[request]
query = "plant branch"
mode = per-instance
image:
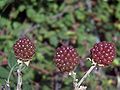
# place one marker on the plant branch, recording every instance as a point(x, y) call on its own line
point(8, 79)
point(30, 29)
point(75, 82)
point(73, 74)
point(39, 69)
point(66, 9)
point(85, 76)
point(19, 83)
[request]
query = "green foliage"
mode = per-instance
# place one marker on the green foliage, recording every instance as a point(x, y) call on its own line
point(4, 72)
point(11, 59)
point(73, 21)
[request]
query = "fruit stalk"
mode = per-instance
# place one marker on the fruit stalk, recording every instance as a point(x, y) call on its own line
point(85, 76)
point(8, 79)
point(75, 80)
point(73, 75)
point(19, 82)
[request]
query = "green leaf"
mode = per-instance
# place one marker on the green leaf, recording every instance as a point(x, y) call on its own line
point(16, 25)
point(2, 3)
point(116, 61)
point(53, 40)
point(2, 81)
point(118, 11)
point(68, 81)
point(62, 34)
point(80, 15)
point(21, 8)
point(28, 74)
point(11, 59)
point(45, 87)
point(69, 19)
point(40, 57)
point(49, 34)
point(14, 14)
point(27, 86)
point(34, 16)
point(3, 73)
point(31, 12)
point(5, 22)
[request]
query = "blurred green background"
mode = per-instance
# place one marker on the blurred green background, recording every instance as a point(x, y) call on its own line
point(81, 23)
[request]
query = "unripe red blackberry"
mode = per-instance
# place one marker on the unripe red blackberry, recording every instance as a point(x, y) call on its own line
point(103, 53)
point(24, 49)
point(66, 58)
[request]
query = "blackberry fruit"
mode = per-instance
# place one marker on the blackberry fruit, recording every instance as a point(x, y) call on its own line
point(24, 49)
point(66, 58)
point(103, 53)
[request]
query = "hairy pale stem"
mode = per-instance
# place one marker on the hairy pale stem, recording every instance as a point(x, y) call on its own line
point(8, 79)
point(73, 74)
point(19, 82)
point(77, 85)
point(75, 82)
point(85, 76)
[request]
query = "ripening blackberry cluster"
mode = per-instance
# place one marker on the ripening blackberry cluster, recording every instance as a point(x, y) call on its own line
point(66, 58)
point(103, 53)
point(24, 49)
